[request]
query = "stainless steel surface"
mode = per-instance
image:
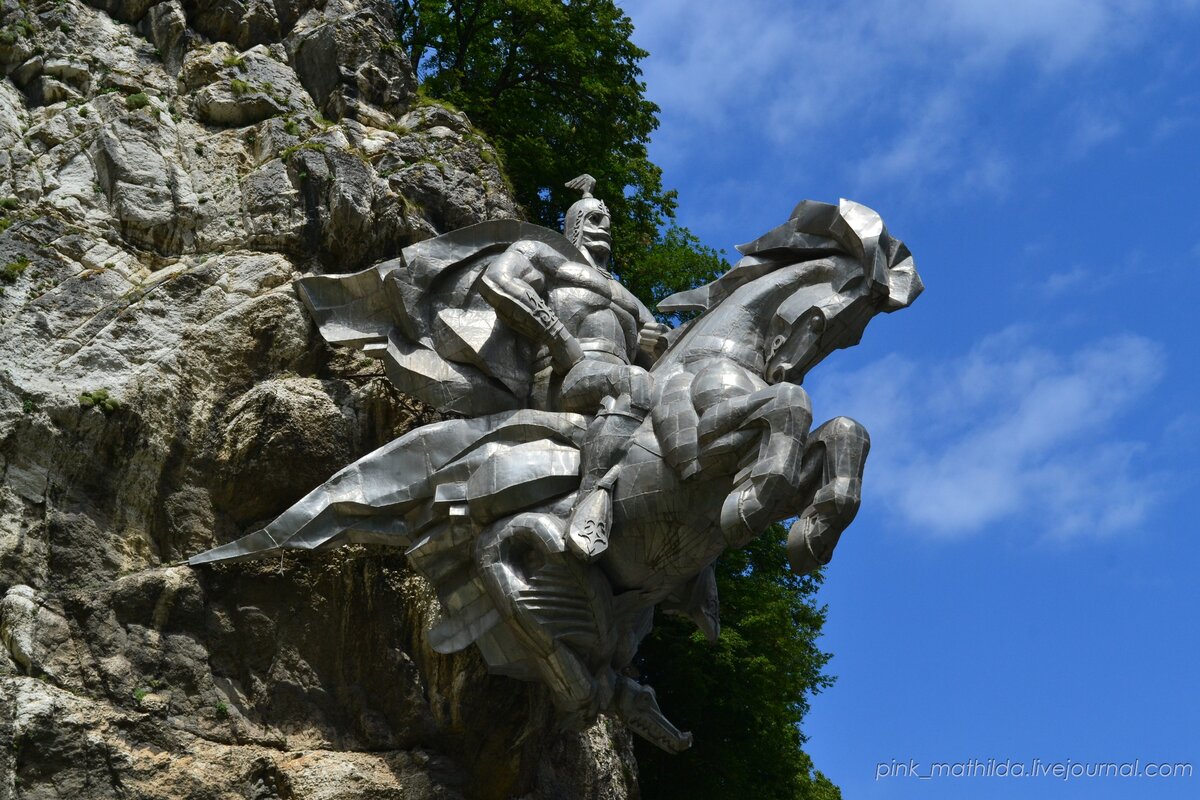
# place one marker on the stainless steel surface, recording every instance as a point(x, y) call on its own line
point(570, 501)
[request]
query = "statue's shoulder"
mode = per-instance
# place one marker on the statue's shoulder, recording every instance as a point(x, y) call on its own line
point(490, 237)
point(541, 253)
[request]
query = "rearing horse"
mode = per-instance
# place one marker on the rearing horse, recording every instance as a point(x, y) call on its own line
point(481, 504)
point(727, 449)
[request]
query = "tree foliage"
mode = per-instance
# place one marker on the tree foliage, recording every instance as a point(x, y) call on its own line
point(677, 260)
point(556, 86)
point(744, 697)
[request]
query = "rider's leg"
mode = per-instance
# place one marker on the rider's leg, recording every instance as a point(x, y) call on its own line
point(619, 396)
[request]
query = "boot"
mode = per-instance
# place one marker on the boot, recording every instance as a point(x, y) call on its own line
point(608, 437)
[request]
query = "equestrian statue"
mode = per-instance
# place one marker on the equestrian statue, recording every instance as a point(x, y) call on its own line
point(596, 463)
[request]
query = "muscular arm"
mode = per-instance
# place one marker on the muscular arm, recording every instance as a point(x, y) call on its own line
point(514, 284)
point(651, 344)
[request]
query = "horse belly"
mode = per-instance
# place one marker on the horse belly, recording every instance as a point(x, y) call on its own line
point(664, 529)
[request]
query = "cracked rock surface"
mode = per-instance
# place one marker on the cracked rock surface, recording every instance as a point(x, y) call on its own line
point(166, 170)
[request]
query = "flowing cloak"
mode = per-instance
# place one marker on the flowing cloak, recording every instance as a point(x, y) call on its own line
point(432, 491)
point(422, 314)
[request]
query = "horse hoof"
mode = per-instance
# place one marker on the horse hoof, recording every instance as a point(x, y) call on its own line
point(810, 544)
point(738, 506)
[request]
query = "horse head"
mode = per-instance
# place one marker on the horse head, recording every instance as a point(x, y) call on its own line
point(815, 281)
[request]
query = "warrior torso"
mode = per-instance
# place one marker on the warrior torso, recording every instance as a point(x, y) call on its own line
point(596, 309)
point(549, 297)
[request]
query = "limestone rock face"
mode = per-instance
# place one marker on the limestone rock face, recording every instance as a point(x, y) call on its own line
point(166, 170)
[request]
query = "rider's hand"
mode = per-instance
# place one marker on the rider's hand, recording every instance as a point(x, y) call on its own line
point(652, 339)
point(565, 351)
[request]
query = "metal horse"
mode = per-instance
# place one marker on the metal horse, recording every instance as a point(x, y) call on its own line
point(481, 504)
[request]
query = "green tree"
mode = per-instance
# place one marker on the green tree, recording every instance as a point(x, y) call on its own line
point(676, 261)
point(557, 88)
point(744, 697)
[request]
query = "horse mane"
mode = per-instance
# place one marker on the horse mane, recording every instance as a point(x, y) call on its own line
point(814, 230)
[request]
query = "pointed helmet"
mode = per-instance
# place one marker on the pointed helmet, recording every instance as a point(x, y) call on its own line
point(579, 210)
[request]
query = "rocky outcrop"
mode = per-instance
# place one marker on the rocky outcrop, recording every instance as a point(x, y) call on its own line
point(166, 170)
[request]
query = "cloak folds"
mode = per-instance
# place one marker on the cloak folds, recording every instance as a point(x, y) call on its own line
point(439, 339)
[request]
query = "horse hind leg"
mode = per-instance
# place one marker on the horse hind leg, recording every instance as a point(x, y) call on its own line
point(555, 611)
point(841, 444)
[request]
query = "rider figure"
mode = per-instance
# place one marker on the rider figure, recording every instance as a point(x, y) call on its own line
point(596, 339)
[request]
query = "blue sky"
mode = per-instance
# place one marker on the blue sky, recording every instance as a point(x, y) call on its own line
point(1021, 581)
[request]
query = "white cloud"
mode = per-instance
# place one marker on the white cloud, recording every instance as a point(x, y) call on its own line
point(930, 142)
point(1049, 282)
point(1183, 431)
point(1063, 281)
point(1166, 128)
point(1092, 130)
point(898, 74)
point(1054, 32)
point(1091, 121)
point(1010, 434)
point(760, 67)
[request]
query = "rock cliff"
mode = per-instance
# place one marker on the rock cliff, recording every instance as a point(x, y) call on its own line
point(166, 170)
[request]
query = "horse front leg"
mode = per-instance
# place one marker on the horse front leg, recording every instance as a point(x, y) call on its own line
point(764, 489)
point(835, 457)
